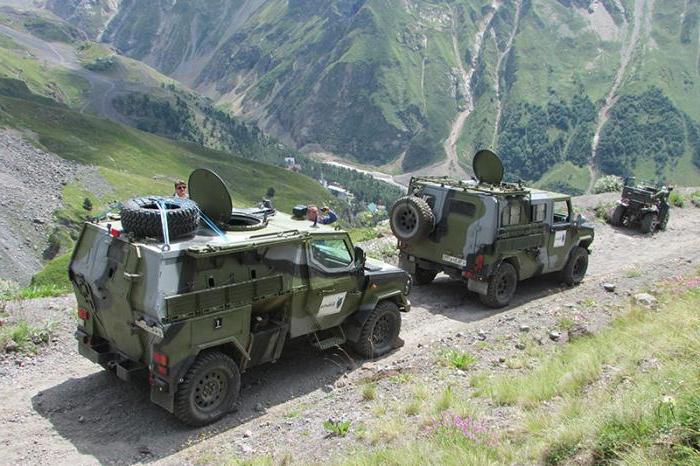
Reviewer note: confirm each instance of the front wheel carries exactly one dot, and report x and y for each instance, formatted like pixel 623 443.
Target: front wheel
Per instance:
pixel 380 332
pixel 209 389
pixel 575 269
pixel 501 287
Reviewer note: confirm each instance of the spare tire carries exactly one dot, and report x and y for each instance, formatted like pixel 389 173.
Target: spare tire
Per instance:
pixel 141 216
pixel 411 218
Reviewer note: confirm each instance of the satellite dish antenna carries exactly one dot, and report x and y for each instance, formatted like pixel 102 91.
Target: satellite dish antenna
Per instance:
pixel 211 195
pixel 488 167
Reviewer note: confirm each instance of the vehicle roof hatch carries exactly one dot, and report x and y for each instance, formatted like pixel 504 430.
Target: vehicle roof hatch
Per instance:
pixel 488 167
pixel 211 195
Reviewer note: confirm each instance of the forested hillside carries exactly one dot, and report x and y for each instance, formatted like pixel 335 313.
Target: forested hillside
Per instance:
pixel 410 83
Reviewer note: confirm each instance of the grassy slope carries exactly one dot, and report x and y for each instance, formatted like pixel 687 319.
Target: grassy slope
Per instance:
pixel 131 158
pixel 647 407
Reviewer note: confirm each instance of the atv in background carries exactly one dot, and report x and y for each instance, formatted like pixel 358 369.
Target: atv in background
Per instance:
pixel 644 206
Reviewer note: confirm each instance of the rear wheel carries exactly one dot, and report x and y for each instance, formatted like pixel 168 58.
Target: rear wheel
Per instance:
pixel 423 276
pixel 380 333
pixel 411 218
pixel 209 389
pixel 501 287
pixel 575 269
pixel 649 223
pixel 617 215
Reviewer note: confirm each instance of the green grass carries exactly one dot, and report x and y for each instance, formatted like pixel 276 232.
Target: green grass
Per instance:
pixel 565 177
pixel 52 280
pixel 629 394
pixel 676 199
pixel 456 358
pixel 27 337
pixel 369 392
pixel 362 234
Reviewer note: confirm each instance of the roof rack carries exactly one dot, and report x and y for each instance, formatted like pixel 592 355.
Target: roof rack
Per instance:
pixel 512 189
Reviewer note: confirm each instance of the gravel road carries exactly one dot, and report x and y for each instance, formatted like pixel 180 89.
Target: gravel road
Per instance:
pixel 60 409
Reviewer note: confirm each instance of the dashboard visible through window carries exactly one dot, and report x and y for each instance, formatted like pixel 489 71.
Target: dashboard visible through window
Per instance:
pixel 332 254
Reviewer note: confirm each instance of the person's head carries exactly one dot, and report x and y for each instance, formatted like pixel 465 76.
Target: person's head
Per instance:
pixel 180 188
pixel 325 209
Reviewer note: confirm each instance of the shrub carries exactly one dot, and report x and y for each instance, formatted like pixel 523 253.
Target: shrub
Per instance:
pixel 457 358
pixel 608 184
pixel 676 199
pixel 337 427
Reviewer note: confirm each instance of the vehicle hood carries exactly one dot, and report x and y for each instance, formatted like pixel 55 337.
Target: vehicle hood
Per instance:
pixel 376 267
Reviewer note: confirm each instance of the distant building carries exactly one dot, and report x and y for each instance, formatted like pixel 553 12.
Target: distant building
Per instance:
pixel 340 193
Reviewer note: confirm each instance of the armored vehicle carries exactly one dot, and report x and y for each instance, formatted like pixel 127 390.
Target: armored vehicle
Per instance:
pixel 489 233
pixel 193 313
pixel 644 206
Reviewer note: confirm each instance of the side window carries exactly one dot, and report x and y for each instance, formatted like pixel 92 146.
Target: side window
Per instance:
pixel 511 214
pixel 539 212
pixel 561 212
pixel 461 207
pixel 331 254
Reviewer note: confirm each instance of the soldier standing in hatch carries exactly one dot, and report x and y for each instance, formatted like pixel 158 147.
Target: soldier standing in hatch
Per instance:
pixel 181 190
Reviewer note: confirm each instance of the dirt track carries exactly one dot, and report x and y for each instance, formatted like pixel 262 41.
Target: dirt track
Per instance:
pixel 60 409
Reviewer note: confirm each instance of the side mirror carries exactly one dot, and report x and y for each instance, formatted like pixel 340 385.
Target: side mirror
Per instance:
pixel 360 258
pixel 580 220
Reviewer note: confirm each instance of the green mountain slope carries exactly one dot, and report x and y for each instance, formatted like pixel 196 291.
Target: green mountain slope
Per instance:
pixel 413 82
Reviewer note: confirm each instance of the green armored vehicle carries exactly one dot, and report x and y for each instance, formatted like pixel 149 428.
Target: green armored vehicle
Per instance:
pixel 194 313
pixel 489 233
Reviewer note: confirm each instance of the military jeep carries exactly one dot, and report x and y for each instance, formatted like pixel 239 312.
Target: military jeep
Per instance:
pixel 489 233
pixel 190 314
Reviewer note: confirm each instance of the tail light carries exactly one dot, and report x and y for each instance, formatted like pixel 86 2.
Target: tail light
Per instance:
pixel 474 269
pixel 160 363
pixel 83 314
pixel 160 358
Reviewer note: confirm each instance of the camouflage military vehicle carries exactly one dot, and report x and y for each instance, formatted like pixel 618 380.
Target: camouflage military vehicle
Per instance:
pixel 193 314
pixel 644 206
pixel 489 233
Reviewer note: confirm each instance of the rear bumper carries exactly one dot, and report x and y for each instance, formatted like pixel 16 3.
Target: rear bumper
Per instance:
pixel 101 352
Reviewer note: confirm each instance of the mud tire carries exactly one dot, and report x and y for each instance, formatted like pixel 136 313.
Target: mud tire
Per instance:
pixel 649 223
pixel 209 390
pixel 141 217
pixel 617 215
pixel 575 269
pixel 501 287
pixel 423 276
pixel 411 219
pixel 380 332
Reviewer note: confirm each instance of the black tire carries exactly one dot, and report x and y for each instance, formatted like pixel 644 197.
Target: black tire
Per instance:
pixel 649 223
pixel 411 218
pixel 209 390
pixel 501 286
pixel 576 267
pixel 423 276
pixel 617 215
pixel 141 217
pixel 380 332
pixel 664 222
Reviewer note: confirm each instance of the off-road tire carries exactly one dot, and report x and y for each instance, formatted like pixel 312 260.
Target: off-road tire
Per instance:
pixel 209 390
pixel 575 268
pixel 411 219
pixel 380 332
pixel 617 215
pixel 423 276
pixel 141 217
pixel 664 222
pixel 649 223
pixel 501 287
